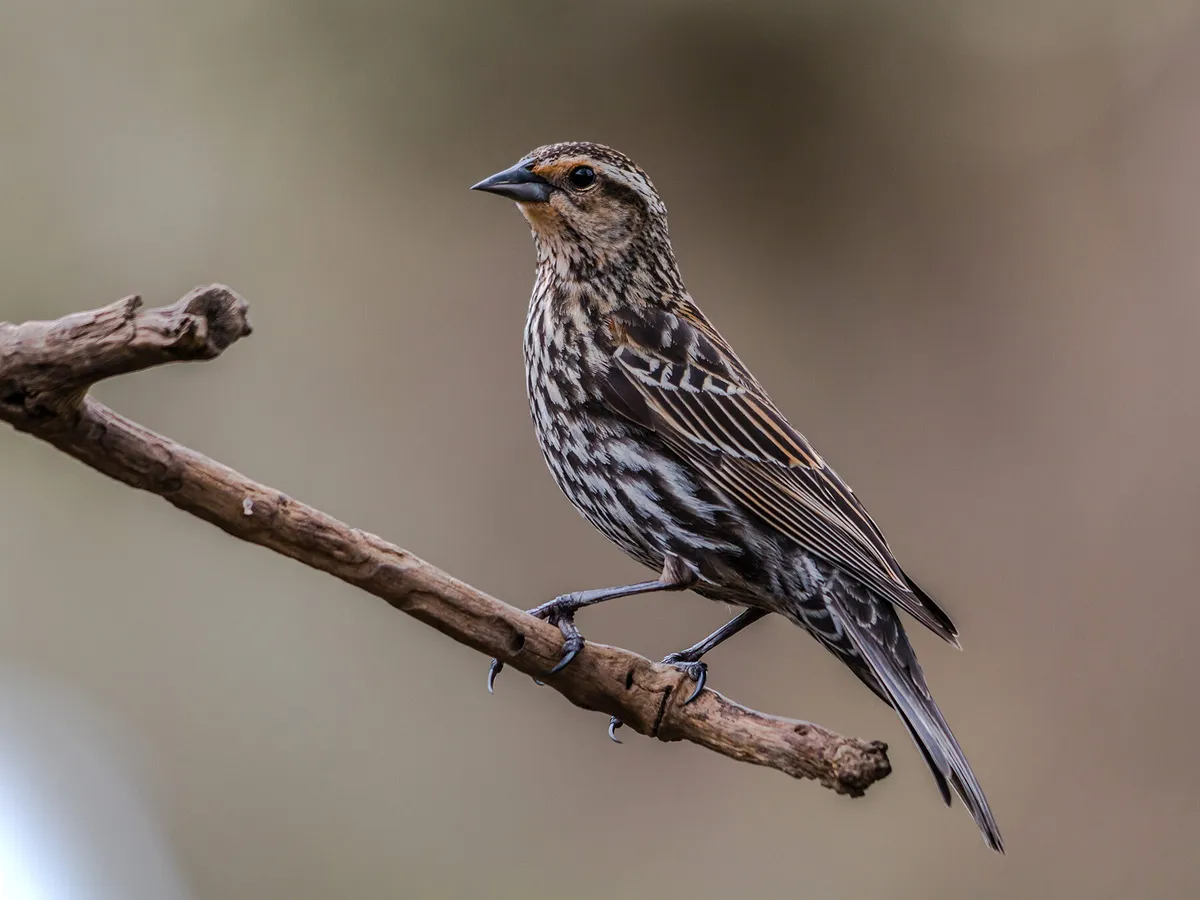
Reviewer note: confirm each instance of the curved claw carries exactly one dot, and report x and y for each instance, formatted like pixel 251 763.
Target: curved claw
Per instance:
pixel 613 724
pixel 700 679
pixel 565 661
pixel 493 670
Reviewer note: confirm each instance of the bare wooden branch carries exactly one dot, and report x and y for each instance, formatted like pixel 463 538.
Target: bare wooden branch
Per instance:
pixel 45 371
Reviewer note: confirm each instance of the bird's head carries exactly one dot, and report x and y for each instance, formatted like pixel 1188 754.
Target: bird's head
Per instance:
pixel 584 200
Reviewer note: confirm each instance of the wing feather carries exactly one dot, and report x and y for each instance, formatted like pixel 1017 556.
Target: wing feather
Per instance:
pixel 677 376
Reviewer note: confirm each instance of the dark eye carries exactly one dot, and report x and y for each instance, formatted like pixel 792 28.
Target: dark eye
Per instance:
pixel 582 177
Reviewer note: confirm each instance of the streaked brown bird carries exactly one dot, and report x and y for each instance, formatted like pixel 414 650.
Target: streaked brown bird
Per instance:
pixel 663 440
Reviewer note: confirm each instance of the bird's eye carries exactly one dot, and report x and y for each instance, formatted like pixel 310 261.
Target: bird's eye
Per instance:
pixel 582 177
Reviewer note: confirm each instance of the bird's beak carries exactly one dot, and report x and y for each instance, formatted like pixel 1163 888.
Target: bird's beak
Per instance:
pixel 519 183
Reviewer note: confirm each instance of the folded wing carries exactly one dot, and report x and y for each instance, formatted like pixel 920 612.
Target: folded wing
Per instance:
pixel 676 375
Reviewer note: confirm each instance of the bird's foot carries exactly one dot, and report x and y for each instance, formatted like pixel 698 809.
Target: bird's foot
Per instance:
pixel 561 612
pixel 693 668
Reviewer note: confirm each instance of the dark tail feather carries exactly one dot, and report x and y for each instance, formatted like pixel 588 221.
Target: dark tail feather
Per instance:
pixel 935 766
pixel 904 687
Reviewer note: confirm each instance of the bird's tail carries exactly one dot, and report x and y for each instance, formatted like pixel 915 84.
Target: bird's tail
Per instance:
pixel 881 643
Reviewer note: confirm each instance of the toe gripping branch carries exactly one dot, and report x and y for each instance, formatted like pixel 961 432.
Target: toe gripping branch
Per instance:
pixel 561 612
pixel 694 669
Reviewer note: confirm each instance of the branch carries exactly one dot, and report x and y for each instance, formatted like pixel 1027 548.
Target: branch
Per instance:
pixel 46 369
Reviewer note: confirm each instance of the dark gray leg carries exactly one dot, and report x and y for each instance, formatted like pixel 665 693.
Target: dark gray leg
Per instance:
pixel 561 610
pixel 688 661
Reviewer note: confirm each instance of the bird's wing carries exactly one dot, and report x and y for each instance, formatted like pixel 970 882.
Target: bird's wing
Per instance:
pixel 673 373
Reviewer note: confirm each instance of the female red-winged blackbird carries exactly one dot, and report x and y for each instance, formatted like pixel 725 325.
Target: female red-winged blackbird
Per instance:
pixel 662 439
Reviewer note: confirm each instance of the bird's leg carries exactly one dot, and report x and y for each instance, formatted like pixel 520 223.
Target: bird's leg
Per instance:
pixel 688 661
pixel 560 611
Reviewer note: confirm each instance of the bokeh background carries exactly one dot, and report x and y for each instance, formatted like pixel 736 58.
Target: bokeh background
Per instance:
pixel 957 241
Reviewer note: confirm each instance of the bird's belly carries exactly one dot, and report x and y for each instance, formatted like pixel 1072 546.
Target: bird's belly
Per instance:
pixel 582 459
pixel 635 491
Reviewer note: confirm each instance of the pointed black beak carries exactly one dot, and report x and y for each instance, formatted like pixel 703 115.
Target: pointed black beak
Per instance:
pixel 518 183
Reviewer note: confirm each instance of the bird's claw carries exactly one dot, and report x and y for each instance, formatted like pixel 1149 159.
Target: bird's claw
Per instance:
pixel 571 647
pixel 557 612
pixel 564 618
pixel 696 670
pixel 613 724
pixel 493 670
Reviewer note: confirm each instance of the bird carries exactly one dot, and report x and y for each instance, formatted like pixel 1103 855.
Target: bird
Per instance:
pixel 662 439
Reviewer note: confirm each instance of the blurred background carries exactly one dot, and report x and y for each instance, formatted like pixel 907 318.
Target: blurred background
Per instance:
pixel 956 241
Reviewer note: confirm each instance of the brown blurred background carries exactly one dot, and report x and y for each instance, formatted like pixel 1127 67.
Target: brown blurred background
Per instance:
pixel 956 242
